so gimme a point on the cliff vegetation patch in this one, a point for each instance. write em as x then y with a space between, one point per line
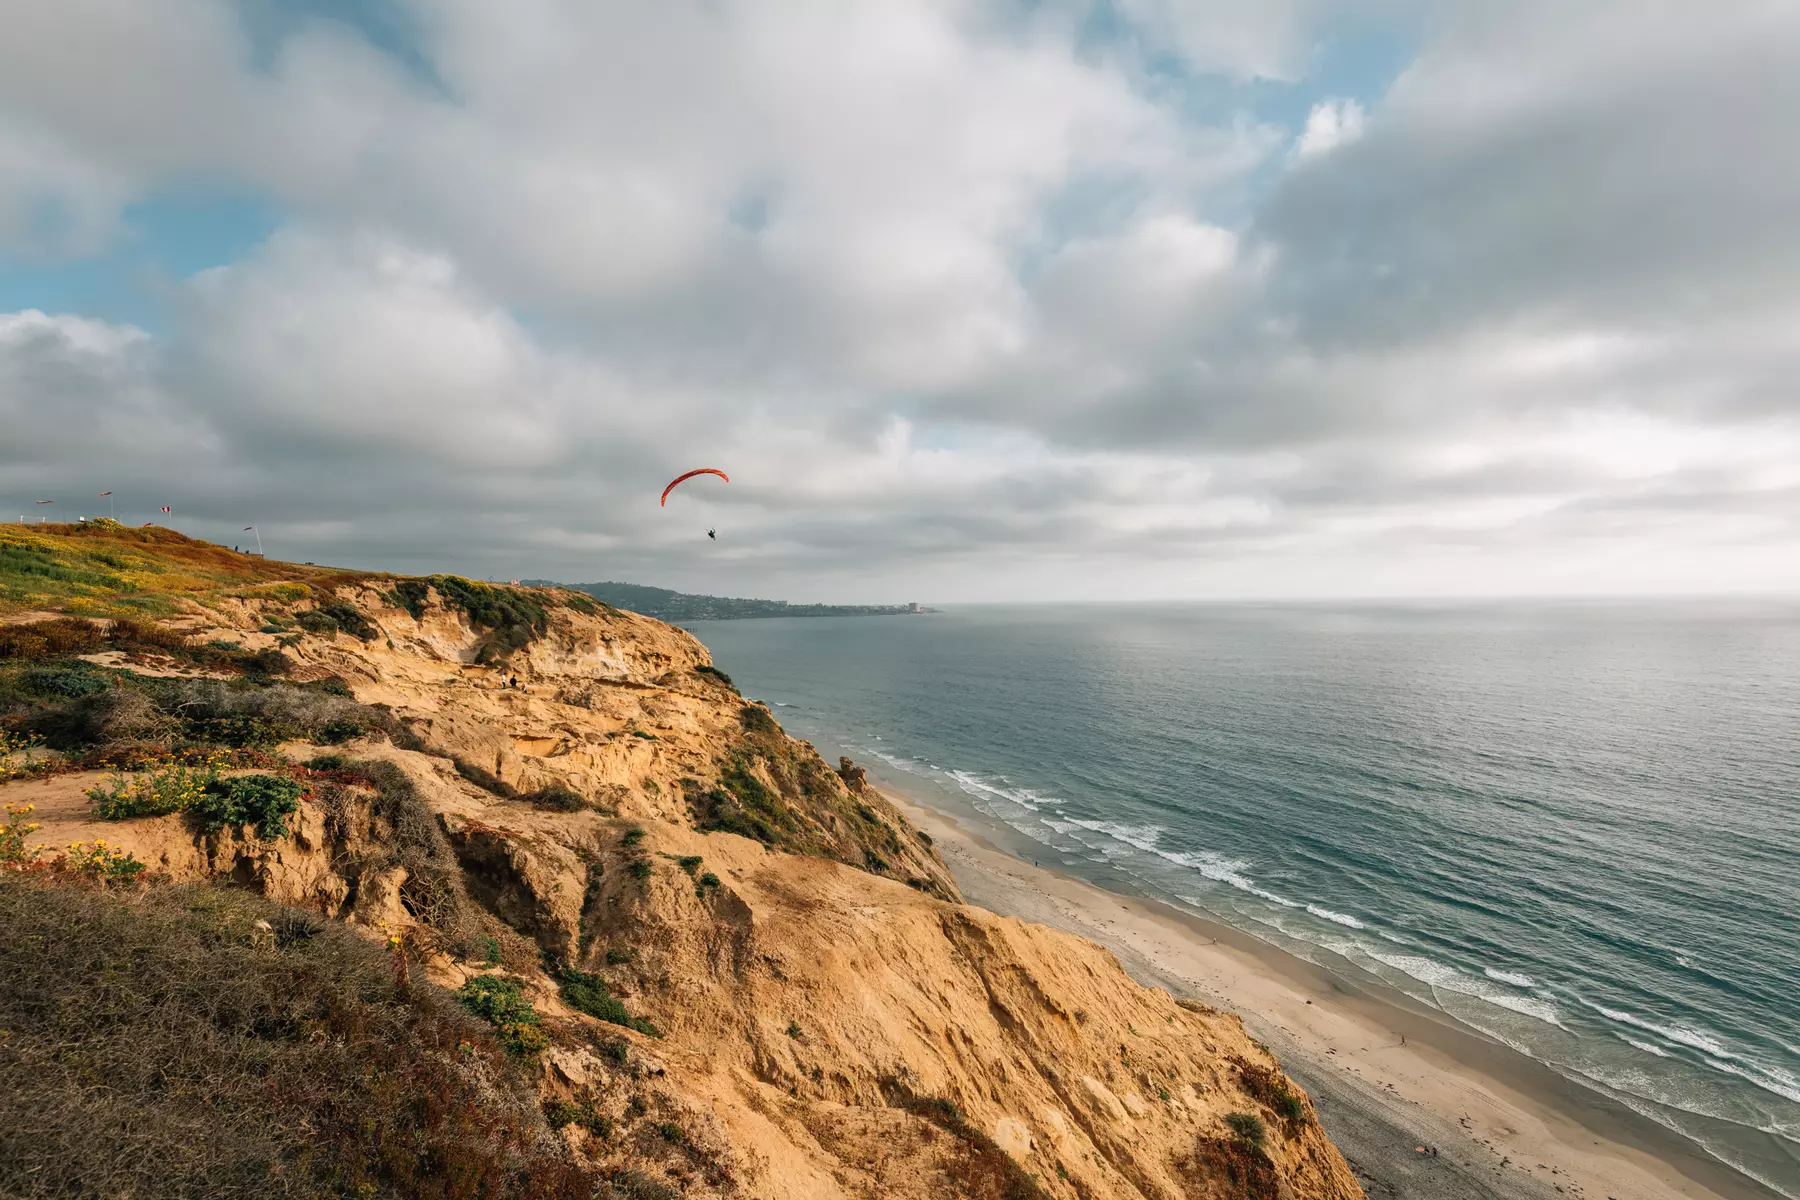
162 1043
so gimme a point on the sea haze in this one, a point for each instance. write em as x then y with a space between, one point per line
1573 827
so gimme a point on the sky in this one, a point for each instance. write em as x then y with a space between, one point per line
974 300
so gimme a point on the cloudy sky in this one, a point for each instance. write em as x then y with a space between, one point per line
974 299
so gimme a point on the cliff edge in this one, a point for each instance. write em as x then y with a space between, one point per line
725 967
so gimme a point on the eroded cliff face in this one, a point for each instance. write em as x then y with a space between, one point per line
834 1021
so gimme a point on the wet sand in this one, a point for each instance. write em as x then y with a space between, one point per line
1389 1076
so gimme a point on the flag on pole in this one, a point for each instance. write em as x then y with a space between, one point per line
106 493
166 508
248 528
46 502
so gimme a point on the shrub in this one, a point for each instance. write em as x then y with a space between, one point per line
501 1001
66 682
557 797
616 955
793 1029
641 869
265 801
13 832
101 862
15 755
153 1049
633 836
671 1132
514 617
689 863
709 880
164 789
717 674
1269 1086
55 638
588 993
1248 1126
639 733
335 616
411 595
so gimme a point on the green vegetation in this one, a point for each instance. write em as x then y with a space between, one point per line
793 1030
558 797
265 801
514 617
101 568
588 993
581 1111
1248 1126
163 789
14 829
717 674
633 836
157 1045
101 863
689 862
333 617
1268 1086
641 869
500 1000
666 605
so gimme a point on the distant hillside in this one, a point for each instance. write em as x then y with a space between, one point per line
666 605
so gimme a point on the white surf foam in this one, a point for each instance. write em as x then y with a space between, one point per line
1338 917
1694 1039
1512 977
1443 977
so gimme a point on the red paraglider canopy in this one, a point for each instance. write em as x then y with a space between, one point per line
690 475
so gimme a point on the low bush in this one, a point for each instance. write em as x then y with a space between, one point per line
102 863
336 616
1248 1126
265 801
14 829
163 789
717 674
588 993
156 1047
501 1001
557 797
1267 1085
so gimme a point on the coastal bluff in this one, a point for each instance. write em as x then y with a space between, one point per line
731 969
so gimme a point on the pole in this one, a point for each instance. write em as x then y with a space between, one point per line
259 549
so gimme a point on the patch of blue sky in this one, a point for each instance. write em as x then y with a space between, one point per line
163 238
388 25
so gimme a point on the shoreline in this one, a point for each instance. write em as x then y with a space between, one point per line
1386 1073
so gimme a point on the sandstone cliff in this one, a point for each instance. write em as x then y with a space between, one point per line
807 1004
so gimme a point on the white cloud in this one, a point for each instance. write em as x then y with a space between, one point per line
954 288
1330 124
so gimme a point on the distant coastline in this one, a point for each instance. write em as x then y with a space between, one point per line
672 606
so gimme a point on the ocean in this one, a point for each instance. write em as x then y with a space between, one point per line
1574 827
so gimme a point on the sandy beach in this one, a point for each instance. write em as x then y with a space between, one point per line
1389 1076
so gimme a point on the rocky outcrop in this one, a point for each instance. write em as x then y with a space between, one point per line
832 1021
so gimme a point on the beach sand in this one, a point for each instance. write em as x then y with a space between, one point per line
1388 1076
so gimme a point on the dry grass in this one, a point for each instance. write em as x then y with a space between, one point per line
104 569
160 1044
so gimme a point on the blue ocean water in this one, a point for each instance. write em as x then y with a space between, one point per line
1573 827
